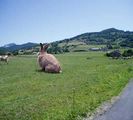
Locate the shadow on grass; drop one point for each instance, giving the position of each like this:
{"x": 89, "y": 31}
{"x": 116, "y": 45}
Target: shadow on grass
{"x": 40, "y": 70}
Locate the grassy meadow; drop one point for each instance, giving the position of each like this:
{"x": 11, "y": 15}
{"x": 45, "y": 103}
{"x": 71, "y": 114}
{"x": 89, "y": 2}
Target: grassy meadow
{"x": 88, "y": 79}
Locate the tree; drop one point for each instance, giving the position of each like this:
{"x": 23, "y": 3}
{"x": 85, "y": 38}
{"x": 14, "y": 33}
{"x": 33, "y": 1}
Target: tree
{"x": 127, "y": 53}
{"x": 55, "y": 48}
{"x": 3, "y": 51}
{"x": 114, "y": 54}
{"x": 15, "y": 52}
{"x": 109, "y": 46}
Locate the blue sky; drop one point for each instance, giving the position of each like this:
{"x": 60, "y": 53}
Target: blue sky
{"x": 37, "y": 21}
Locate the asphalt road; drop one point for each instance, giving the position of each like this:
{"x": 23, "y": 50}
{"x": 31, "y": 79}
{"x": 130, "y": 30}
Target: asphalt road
{"x": 123, "y": 108}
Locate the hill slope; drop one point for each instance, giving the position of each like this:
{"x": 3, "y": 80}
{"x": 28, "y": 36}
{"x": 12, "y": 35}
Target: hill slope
{"x": 83, "y": 42}
{"x": 13, "y": 47}
{"x": 112, "y": 35}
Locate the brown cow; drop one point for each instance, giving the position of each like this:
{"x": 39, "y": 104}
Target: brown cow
{"x": 48, "y": 62}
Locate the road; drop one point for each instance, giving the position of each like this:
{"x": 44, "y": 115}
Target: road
{"x": 123, "y": 108}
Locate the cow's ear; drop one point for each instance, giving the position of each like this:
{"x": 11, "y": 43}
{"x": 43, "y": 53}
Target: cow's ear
{"x": 45, "y": 46}
{"x": 41, "y": 45}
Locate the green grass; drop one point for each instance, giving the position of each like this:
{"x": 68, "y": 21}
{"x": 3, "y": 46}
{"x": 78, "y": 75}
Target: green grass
{"x": 75, "y": 46}
{"x": 87, "y": 80}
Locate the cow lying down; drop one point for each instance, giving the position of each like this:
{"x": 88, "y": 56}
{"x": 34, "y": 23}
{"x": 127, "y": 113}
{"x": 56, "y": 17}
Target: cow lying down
{"x": 48, "y": 62}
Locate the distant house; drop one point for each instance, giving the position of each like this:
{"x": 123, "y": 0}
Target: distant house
{"x": 95, "y": 49}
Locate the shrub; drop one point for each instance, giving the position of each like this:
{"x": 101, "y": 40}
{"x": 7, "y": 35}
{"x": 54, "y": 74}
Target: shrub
{"x": 127, "y": 53}
{"x": 114, "y": 54}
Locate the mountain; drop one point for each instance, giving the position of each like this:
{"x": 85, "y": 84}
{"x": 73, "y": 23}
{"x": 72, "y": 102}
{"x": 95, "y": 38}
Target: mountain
{"x": 111, "y": 30}
{"x": 111, "y": 35}
{"x": 13, "y": 47}
{"x": 108, "y": 38}
{"x": 9, "y": 45}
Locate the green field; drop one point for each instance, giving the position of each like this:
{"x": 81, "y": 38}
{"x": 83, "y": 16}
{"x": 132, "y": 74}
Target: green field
{"x": 88, "y": 79}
